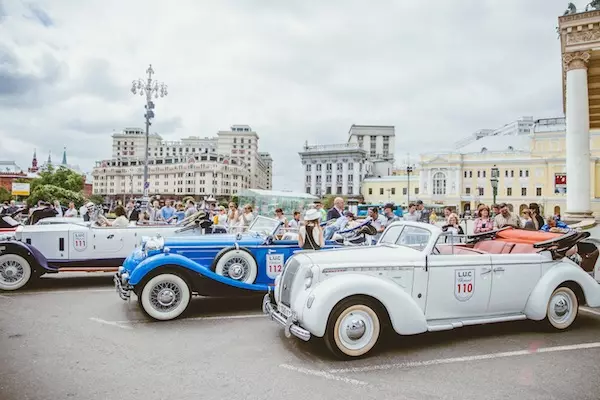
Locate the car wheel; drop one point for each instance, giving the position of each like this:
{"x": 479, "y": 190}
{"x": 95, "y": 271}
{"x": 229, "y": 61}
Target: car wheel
{"x": 238, "y": 265}
{"x": 165, "y": 297}
{"x": 353, "y": 328}
{"x": 562, "y": 308}
{"x": 15, "y": 272}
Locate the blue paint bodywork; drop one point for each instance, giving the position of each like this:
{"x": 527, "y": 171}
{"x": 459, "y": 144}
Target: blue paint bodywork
{"x": 197, "y": 255}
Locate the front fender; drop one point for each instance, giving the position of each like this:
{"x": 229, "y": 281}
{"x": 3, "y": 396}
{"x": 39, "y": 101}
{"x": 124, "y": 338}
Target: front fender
{"x": 164, "y": 260}
{"x": 537, "y": 303}
{"x": 406, "y": 316}
{"x": 35, "y": 258}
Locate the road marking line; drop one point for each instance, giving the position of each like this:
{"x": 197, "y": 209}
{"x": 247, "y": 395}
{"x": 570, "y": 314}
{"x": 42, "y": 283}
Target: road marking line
{"x": 60, "y": 292}
{"x": 589, "y": 310}
{"x": 323, "y": 374}
{"x": 111, "y": 323}
{"x": 413, "y": 364}
{"x": 211, "y": 318}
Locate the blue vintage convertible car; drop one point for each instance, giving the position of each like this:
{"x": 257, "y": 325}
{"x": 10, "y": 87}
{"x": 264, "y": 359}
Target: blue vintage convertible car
{"x": 165, "y": 273}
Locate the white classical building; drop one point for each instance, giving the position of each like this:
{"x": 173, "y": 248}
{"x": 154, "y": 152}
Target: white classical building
{"x": 334, "y": 169}
{"x": 339, "y": 169}
{"x": 217, "y": 166}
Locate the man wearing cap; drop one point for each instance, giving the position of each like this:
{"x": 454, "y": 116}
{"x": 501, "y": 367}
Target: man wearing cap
{"x": 422, "y": 211}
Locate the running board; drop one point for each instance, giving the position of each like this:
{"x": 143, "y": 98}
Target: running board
{"x": 448, "y": 324}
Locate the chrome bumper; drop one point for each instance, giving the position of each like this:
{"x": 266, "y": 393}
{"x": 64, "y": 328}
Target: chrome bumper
{"x": 290, "y": 325}
{"x": 124, "y": 292}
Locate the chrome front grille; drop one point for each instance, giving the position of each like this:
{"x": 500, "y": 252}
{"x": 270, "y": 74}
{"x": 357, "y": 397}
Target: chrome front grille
{"x": 285, "y": 286}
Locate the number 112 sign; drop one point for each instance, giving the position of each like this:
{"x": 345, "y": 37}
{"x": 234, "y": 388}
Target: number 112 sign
{"x": 274, "y": 265}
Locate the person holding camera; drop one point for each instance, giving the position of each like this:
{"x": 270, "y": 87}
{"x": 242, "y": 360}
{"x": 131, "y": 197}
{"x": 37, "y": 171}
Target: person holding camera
{"x": 483, "y": 222}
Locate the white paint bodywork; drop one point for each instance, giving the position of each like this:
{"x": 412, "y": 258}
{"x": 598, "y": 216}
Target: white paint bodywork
{"x": 418, "y": 288}
{"x": 83, "y": 242}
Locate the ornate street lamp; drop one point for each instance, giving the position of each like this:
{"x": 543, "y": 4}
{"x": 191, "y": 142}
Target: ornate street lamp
{"x": 148, "y": 87}
{"x": 494, "y": 182}
{"x": 409, "y": 170}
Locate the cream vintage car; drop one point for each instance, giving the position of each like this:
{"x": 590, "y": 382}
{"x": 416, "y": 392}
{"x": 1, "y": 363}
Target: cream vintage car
{"x": 419, "y": 279}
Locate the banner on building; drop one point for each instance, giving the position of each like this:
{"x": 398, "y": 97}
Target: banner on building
{"x": 560, "y": 183}
{"x": 20, "y": 189}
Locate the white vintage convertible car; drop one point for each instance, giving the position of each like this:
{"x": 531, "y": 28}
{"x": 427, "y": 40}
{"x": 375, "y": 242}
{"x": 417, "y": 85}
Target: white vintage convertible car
{"x": 77, "y": 246}
{"x": 418, "y": 279}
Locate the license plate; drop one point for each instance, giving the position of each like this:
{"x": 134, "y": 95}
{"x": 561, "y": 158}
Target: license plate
{"x": 285, "y": 310}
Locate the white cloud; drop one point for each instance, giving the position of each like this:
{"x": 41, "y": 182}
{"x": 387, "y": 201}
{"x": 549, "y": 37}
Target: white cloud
{"x": 294, "y": 71}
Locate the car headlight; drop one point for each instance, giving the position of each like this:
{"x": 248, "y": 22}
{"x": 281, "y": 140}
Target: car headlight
{"x": 153, "y": 244}
{"x": 308, "y": 278}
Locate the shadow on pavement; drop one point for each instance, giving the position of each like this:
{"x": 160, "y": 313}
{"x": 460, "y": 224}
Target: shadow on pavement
{"x": 68, "y": 280}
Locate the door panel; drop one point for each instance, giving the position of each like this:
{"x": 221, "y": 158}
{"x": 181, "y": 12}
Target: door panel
{"x": 458, "y": 286}
{"x": 514, "y": 277}
{"x": 108, "y": 241}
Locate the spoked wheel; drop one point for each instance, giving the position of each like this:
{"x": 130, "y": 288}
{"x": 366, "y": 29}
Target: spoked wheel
{"x": 353, "y": 328}
{"x": 15, "y": 272}
{"x": 165, "y": 297}
{"x": 563, "y": 307}
{"x": 238, "y": 265}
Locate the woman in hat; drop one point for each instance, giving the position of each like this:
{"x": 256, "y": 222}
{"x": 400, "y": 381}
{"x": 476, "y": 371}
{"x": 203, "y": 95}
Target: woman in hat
{"x": 310, "y": 235}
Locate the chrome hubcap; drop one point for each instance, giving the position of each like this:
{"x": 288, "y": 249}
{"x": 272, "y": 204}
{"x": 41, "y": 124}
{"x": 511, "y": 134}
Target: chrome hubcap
{"x": 355, "y": 329}
{"x": 165, "y": 296}
{"x": 561, "y": 307}
{"x": 11, "y": 271}
{"x": 236, "y": 268}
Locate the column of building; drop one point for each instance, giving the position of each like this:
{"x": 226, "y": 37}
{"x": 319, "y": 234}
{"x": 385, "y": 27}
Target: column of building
{"x": 323, "y": 178}
{"x": 344, "y": 177}
{"x": 578, "y": 133}
{"x": 356, "y": 178}
{"x": 313, "y": 178}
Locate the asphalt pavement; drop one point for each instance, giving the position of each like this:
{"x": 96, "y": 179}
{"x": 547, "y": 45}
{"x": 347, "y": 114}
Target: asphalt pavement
{"x": 72, "y": 337}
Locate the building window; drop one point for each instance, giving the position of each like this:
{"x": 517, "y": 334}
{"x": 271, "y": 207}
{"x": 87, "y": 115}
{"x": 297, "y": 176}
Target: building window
{"x": 465, "y": 174}
{"x": 350, "y": 189}
{"x": 308, "y": 166}
{"x": 509, "y": 191}
{"x": 468, "y": 191}
{"x": 480, "y": 191}
{"x": 506, "y": 173}
{"x": 380, "y": 190}
{"x": 318, "y": 167}
{"x": 523, "y": 191}
{"x": 470, "y": 174}
{"x": 339, "y": 190}
{"x": 521, "y": 173}
{"x": 416, "y": 190}
{"x": 370, "y": 190}
{"x": 526, "y": 173}
{"x": 350, "y": 165}
{"x": 484, "y": 174}
{"x": 328, "y": 166}
{"x": 404, "y": 191}
{"x": 393, "y": 190}
{"x": 479, "y": 174}
{"x": 439, "y": 183}
{"x": 538, "y": 191}
{"x": 512, "y": 173}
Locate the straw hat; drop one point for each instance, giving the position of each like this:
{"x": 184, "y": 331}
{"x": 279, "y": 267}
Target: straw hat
{"x": 312, "y": 214}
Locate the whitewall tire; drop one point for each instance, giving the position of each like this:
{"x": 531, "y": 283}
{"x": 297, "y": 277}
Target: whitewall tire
{"x": 15, "y": 272}
{"x": 238, "y": 265}
{"x": 353, "y": 329}
{"x": 562, "y": 308}
{"x": 165, "y": 297}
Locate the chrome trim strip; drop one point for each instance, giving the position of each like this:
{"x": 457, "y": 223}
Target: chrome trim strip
{"x": 366, "y": 269}
{"x": 478, "y": 321}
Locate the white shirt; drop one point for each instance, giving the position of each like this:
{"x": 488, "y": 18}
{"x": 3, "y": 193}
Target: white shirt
{"x": 58, "y": 211}
{"x": 71, "y": 212}
{"x": 294, "y": 224}
{"x": 120, "y": 222}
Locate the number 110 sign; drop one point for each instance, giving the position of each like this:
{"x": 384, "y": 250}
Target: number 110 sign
{"x": 274, "y": 265}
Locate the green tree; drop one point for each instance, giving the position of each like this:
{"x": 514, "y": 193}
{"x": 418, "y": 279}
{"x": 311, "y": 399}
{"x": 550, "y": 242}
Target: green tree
{"x": 50, "y": 193}
{"x": 61, "y": 177}
{"x": 96, "y": 199}
{"x": 5, "y": 195}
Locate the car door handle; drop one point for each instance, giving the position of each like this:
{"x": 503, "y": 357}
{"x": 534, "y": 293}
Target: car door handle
{"x": 486, "y": 271}
{"x": 498, "y": 269}
{"x": 110, "y": 236}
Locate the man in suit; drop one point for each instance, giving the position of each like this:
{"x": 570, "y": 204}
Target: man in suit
{"x": 337, "y": 210}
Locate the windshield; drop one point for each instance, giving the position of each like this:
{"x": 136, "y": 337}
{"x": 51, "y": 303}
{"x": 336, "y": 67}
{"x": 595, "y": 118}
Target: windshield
{"x": 264, "y": 225}
{"x": 409, "y": 236}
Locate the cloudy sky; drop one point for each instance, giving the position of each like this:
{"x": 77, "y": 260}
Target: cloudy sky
{"x": 293, "y": 70}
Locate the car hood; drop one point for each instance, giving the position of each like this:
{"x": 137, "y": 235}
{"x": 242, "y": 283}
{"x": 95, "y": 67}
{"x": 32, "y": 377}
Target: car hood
{"x": 213, "y": 239}
{"x": 364, "y": 256}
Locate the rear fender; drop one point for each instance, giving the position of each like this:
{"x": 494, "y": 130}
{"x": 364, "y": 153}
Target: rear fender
{"x": 33, "y": 256}
{"x": 155, "y": 262}
{"x": 406, "y": 316}
{"x": 566, "y": 271}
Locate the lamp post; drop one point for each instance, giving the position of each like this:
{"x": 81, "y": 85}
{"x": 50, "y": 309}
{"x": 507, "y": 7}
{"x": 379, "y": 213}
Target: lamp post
{"x": 409, "y": 170}
{"x": 148, "y": 87}
{"x": 494, "y": 182}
